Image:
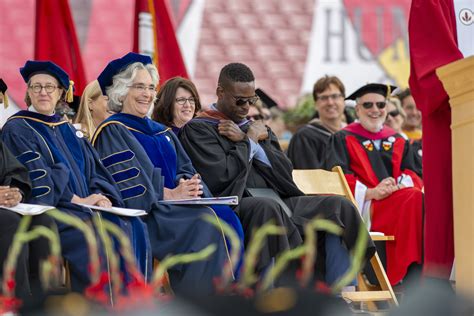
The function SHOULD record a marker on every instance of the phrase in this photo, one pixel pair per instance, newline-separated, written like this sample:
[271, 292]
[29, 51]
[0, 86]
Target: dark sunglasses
[394, 113]
[369, 105]
[255, 117]
[258, 117]
[241, 101]
[68, 112]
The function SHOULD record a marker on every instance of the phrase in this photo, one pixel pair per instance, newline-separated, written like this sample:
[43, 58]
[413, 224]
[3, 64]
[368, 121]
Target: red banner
[432, 35]
[56, 40]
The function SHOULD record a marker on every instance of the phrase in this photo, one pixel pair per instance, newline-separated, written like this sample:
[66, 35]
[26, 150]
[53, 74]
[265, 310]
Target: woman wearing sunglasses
[176, 104]
[395, 116]
[380, 168]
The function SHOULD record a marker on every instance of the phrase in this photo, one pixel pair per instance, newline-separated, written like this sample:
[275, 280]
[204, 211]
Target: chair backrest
[320, 181]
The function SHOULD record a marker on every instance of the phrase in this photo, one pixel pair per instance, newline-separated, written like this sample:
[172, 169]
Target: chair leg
[363, 287]
[66, 275]
[382, 278]
[168, 290]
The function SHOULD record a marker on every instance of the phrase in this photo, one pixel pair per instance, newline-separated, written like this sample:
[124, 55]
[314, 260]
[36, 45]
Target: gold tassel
[4, 99]
[70, 92]
[389, 91]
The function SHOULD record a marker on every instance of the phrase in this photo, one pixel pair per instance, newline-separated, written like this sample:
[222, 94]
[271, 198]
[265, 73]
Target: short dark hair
[404, 94]
[164, 104]
[324, 82]
[235, 72]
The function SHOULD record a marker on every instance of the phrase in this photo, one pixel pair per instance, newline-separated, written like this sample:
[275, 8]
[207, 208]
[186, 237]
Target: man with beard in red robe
[380, 168]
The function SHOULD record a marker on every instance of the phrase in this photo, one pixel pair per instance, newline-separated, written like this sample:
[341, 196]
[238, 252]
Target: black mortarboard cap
[382, 89]
[117, 65]
[33, 67]
[3, 86]
[266, 99]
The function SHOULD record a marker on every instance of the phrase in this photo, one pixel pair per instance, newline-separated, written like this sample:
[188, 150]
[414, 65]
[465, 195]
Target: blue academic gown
[61, 163]
[144, 157]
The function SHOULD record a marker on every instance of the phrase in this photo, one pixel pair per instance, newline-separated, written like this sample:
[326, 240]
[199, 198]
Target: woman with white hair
[149, 165]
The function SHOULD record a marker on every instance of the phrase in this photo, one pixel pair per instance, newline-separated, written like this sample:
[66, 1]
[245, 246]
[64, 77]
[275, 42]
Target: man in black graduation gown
[234, 156]
[307, 148]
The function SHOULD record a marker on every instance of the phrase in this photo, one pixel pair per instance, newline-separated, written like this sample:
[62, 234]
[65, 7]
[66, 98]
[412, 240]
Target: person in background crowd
[395, 118]
[65, 170]
[412, 124]
[92, 110]
[273, 118]
[395, 115]
[381, 171]
[177, 103]
[307, 149]
[149, 166]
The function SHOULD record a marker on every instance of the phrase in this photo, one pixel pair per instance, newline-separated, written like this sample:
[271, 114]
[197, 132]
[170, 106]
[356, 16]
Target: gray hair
[121, 82]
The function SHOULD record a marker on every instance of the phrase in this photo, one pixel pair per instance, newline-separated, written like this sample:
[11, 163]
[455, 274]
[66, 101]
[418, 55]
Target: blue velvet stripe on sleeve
[37, 174]
[28, 156]
[117, 158]
[132, 192]
[40, 191]
[126, 174]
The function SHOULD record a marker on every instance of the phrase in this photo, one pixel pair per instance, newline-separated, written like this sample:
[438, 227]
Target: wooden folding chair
[319, 181]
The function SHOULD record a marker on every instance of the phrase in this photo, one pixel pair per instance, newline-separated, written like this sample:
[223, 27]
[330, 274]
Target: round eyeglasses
[142, 88]
[49, 88]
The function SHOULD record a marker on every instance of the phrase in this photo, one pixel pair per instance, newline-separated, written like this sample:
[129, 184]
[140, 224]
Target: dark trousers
[27, 268]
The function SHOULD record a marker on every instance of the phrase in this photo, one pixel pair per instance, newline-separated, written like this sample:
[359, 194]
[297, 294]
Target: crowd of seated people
[116, 155]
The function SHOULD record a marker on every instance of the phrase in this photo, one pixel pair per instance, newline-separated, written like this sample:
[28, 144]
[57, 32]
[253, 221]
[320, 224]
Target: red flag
[433, 43]
[56, 40]
[155, 36]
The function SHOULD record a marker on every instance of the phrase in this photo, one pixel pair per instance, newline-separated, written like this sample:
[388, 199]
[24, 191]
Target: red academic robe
[400, 214]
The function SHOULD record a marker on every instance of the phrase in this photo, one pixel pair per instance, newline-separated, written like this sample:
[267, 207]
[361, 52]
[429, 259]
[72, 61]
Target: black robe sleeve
[224, 165]
[279, 175]
[13, 173]
[336, 153]
[307, 148]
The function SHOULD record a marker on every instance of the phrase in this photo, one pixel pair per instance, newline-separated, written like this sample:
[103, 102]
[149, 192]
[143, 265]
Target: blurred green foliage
[302, 113]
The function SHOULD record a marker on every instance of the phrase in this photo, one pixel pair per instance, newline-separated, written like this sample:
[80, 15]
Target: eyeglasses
[369, 105]
[49, 88]
[241, 101]
[142, 88]
[333, 97]
[182, 101]
[394, 113]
